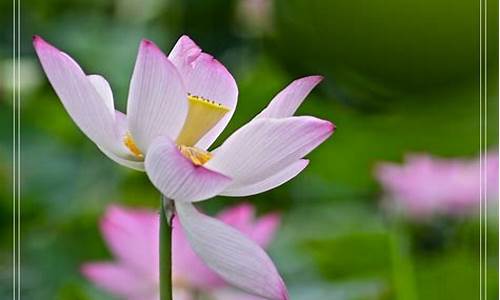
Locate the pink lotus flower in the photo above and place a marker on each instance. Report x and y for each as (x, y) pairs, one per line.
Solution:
(177, 106)
(425, 186)
(163, 99)
(132, 236)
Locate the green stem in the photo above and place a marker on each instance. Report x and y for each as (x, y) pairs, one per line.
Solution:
(404, 278)
(166, 216)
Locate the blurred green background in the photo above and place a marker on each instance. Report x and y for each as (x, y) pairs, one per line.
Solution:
(400, 77)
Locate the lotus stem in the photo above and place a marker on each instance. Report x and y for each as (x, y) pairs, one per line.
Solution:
(166, 216)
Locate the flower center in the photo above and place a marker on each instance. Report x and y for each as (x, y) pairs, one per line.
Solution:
(197, 156)
(203, 115)
(130, 144)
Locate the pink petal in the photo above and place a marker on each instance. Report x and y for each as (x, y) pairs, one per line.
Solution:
(242, 218)
(181, 293)
(232, 294)
(188, 268)
(184, 53)
(264, 147)
(205, 76)
(492, 162)
(132, 236)
(157, 101)
(104, 89)
(211, 80)
(269, 183)
(264, 229)
(177, 177)
(187, 265)
(119, 280)
(130, 163)
(234, 257)
(286, 103)
(127, 160)
(86, 98)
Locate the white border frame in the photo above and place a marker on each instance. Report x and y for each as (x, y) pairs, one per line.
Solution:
(16, 154)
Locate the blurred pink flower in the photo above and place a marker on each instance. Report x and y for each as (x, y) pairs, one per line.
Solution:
(256, 15)
(132, 236)
(424, 185)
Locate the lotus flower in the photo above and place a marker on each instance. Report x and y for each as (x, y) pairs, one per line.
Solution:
(177, 107)
(132, 236)
(163, 99)
(425, 186)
